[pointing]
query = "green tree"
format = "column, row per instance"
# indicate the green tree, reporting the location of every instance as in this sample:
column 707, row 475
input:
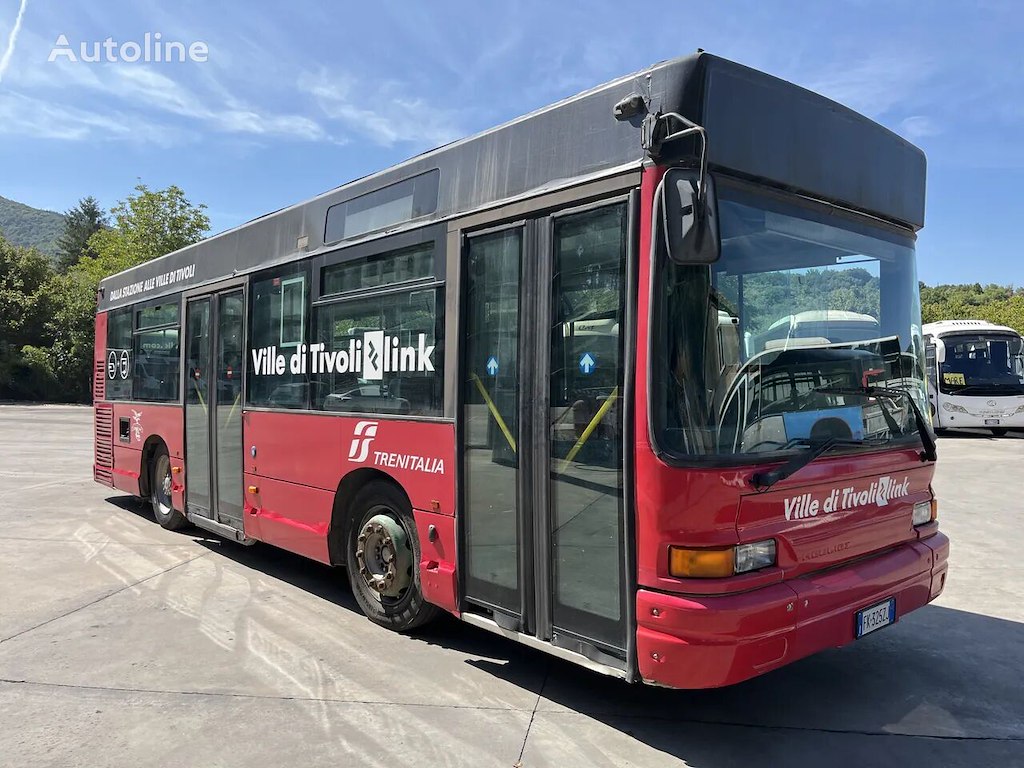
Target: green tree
column 995, row 303
column 24, row 274
column 80, row 223
column 148, row 224
column 154, row 222
column 25, row 303
column 72, row 326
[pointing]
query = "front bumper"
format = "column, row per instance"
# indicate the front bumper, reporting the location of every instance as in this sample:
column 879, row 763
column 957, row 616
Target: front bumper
column 706, row 641
column 946, row 420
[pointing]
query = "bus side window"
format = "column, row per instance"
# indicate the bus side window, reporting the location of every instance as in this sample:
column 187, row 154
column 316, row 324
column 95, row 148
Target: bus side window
column 119, row 347
column 278, row 325
column 378, row 327
column 155, row 353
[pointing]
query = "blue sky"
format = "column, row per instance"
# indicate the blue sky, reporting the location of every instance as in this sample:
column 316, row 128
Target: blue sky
column 297, row 98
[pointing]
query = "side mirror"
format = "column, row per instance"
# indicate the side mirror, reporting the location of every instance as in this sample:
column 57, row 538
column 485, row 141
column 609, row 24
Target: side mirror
column 940, row 353
column 689, row 217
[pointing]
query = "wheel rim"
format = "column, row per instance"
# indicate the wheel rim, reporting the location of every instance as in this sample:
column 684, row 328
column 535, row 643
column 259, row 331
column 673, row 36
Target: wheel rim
column 384, row 556
column 162, row 486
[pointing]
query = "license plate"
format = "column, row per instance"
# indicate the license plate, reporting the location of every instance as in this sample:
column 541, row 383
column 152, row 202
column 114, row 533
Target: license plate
column 876, row 617
column 991, row 422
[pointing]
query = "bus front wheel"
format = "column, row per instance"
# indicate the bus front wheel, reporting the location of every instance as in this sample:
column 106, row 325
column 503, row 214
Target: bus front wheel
column 160, row 493
column 999, row 431
column 383, row 554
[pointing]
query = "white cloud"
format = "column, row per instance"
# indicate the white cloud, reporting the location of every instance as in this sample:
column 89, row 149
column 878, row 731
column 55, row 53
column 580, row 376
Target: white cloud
column 146, row 86
column 12, row 39
column 26, row 116
column 180, row 101
column 380, row 111
column 876, row 84
column 918, row 127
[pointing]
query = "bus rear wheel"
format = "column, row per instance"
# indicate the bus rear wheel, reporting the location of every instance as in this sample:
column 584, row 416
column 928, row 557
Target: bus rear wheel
column 160, row 493
column 383, row 555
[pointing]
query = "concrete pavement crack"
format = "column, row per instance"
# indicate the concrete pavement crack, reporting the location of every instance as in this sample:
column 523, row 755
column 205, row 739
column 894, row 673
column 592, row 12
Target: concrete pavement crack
column 103, row 597
column 533, row 714
column 646, row 716
column 256, row 696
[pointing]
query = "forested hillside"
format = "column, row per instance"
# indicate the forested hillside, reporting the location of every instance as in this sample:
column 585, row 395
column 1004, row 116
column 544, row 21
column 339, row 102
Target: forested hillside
column 996, row 303
column 47, row 302
column 29, row 227
column 48, row 305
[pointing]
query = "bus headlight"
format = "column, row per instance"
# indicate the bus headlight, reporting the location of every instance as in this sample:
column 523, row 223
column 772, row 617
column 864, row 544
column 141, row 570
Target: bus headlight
column 750, row 557
column 953, row 408
column 925, row 512
column 1019, row 410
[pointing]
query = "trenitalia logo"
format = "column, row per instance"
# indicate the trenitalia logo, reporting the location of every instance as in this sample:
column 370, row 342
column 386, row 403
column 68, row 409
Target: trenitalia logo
column 373, row 356
column 359, row 452
column 362, row 436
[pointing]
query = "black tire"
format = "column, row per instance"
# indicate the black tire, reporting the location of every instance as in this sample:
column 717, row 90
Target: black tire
column 160, row 492
column 999, row 431
column 406, row 610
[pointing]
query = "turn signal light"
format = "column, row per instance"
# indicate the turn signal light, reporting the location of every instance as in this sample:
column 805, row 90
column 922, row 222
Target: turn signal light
column 687, row 562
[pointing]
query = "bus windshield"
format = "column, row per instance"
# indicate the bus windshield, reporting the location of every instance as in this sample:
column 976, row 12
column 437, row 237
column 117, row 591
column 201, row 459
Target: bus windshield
column 807, row 328
column 982, row 364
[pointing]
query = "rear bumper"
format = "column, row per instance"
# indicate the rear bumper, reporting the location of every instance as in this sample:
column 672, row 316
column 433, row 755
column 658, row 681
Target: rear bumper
column 710, row 641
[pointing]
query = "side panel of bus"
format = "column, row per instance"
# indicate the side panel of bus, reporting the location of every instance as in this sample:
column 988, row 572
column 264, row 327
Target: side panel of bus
column 298, row 466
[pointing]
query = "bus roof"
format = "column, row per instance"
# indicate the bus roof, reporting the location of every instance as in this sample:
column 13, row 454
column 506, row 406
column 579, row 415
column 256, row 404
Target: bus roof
column 824, row 316
column 759, row 127
column 942, row 328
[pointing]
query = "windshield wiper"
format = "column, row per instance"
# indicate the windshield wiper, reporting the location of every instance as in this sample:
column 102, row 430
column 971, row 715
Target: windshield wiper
column 762, row 481
column 923, row 430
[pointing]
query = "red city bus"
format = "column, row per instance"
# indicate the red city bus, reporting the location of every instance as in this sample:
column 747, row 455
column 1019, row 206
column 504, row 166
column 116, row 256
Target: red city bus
column 588, row 380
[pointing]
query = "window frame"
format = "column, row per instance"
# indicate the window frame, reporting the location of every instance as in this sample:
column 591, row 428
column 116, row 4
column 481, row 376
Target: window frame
column 111, row 315
column 434, row 235
column 383, row 191
column 814, row 209
column 138, row 331
column 134, row 312
column 287, row 281
column 289, row 271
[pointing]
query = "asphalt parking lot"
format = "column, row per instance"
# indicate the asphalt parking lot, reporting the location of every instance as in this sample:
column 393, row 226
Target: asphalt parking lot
column 125, row 644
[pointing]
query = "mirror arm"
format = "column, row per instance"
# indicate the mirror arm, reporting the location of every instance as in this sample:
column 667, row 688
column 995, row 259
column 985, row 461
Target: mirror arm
column 690, row 128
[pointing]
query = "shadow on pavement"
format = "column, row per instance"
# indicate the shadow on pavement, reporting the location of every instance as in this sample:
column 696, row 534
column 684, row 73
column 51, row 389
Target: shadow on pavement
column 952, row 678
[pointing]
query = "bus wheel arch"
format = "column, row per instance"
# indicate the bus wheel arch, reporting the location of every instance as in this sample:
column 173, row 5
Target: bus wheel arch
column 373, row 532
column 153, row 446
column 155, row 484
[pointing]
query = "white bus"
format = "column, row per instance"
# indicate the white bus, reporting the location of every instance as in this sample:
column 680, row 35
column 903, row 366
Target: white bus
column 813, row 328
column 975, row 375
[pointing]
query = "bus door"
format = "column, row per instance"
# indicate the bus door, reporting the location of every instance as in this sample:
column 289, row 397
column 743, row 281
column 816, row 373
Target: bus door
column 541, row 429
column 214, row 361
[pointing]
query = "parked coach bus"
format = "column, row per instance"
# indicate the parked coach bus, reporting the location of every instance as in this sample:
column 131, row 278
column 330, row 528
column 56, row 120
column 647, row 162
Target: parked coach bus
column 975, row 375
column 507, row 379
